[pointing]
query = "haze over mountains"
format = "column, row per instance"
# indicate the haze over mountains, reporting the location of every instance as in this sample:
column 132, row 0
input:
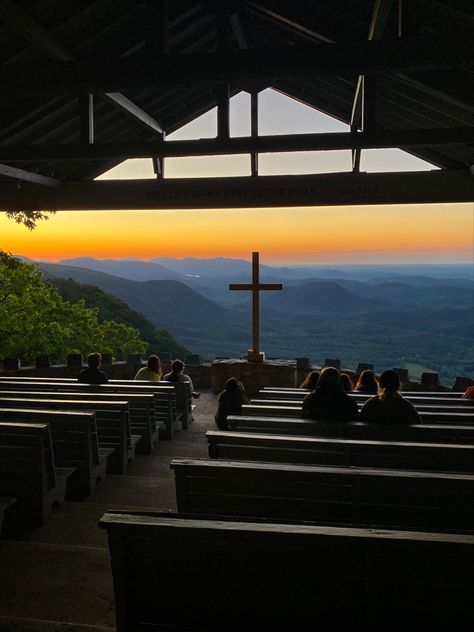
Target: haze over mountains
column 420, row 316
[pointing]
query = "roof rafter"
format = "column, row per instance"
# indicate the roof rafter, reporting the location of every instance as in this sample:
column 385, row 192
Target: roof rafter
column 26, row 25
column 28, row 176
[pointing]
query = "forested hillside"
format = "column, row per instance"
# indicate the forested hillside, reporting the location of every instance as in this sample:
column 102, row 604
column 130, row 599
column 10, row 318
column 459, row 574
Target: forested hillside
column 111, row 308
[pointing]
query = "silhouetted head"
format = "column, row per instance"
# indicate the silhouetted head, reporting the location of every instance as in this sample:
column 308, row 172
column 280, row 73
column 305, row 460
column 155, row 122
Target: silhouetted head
column 94, row 360
column 311, row 380
column 329, row 378
column 346, row 382
column 389, row 381
column 154, row 364
column 177, row 366
column 232, row 385
column 367, row 382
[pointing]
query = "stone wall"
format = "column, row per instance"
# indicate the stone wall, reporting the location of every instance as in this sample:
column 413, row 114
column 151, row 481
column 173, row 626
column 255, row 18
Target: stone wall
column 253, row 375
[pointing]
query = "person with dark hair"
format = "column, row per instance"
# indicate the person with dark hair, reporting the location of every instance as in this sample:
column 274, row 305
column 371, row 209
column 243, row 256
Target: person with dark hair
column 329, row 402
column 230, row 402
column 152, row 370
column 346, row 383
column 93, row 374
column 177, row 375
column 310, row 381
column 389, row 406
column 367, row 383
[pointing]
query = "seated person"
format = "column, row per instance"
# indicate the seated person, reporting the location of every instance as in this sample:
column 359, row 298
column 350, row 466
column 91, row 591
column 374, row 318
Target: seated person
column 367, row 383
column 329, row 402
column 389, row 406
column 469, row 393
column 230, row 402
column 346, row 383
column 93, row 374
column 152, row 370
column 310, row 381
column 176, row 375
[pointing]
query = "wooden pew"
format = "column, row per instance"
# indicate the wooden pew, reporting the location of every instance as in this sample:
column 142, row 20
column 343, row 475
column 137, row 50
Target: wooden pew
column 430, row 399
column 112, row 418
column 141, row 407
column 242, row 446
column 276, row 409
column 438, row 394
column 385, row 498
column 261, row 575
column 432, row 433
column 164, row 414
column 75, row 444
column 28, row 473
column 184, row 405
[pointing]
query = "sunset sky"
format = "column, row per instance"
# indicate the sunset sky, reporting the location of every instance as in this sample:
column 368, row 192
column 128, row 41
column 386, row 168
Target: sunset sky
column 440, row 233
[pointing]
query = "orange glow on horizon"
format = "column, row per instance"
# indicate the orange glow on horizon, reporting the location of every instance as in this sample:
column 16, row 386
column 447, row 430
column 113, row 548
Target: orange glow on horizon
column 377, row 234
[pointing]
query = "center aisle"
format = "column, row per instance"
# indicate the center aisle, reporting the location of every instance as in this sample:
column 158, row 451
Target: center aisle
column 61, row 571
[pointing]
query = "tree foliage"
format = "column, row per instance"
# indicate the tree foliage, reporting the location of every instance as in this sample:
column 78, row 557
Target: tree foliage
column 36, row 320
column 28, row 218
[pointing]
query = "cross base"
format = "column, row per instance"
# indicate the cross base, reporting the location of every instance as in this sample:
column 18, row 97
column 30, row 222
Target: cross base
column 252, row 356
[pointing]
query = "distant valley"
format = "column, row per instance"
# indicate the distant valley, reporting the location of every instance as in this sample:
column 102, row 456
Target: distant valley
column 389, row 315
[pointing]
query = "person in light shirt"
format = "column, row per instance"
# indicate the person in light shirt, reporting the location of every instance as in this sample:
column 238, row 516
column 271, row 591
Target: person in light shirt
column 150, row 372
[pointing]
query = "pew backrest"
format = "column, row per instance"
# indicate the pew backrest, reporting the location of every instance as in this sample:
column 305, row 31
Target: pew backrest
column 282, row 576
column 439, row 457
column 434, row 433
column 375, row 497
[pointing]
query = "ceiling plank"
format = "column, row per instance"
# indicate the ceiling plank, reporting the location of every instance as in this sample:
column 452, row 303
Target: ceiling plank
column 346, row 59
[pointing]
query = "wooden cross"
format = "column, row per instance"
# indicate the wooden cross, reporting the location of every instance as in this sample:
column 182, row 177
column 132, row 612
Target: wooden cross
column 256, row 287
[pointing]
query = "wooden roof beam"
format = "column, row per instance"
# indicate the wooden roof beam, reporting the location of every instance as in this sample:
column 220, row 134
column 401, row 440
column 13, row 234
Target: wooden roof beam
column 363, row 107
column 245, row 192
column 376, row 139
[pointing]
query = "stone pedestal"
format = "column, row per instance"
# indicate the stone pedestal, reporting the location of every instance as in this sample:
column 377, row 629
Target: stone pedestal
column 253, row 375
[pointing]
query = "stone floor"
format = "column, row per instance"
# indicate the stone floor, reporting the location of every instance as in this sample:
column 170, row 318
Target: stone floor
column 58, row 577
